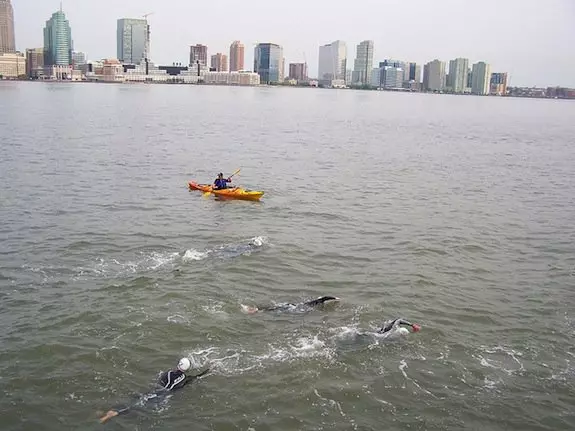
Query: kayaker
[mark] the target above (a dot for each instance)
(221, 183)
(169, 381)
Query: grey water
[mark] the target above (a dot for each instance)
(456, 213)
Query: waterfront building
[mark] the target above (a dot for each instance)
(58, 43)
(458, 69)
(199, 54)
(269, 62)
(332, 63)
(78, 60)
(376, 77)
(298, 71)
(498, 84)
(236, 56)
(480, 78)
(7, 39)
(363, 63)
(132, 39)
(391, 77)
(35, 63)
(434, 76)
(232, 78)
(12, 65)
(219, 62)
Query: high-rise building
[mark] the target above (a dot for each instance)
(34, 62)
(498, 84)
(58, 43)
(457, 81)
(236, 56)
(391, 77)
(7, 41)
(348, 75)
(268, 62)
(332, 62)
(132, 39)
(298, 71)
(480, 78)
(469, 79)
(219, 62)
(78, 60)
(434, 76)
(376, 77)
(199, 54)
(414, 72)
(363, 63)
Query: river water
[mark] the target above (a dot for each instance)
(453, 212)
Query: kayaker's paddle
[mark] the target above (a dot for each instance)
(210, 191)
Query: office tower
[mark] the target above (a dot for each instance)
(391, 77)
(58, 41)
(414, 72)
(132, 40)
(268, 62)
(363, 63)
(78, 60)
(480, 78)
(219, 62)
(298, 71)
(199, 54)
(458, 75)
(498, 84)
(236, 56)
(7, 41)
(34, 62)
(332, 62)
(434, 76)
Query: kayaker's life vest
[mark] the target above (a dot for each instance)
(220, 183)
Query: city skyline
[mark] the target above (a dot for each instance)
(503, 44)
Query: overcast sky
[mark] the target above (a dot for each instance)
(533, 40)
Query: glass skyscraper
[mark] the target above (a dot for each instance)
(132, 36)
(268, 62)
(58, 43)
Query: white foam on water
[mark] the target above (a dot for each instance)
(194, 255)
(500, 361)
(234, 361)
(402, 367)
(178, 318)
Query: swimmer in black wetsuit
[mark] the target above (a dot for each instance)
(169, 381)
(397, 323)
(304, 306)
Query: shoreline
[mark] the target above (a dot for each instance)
(445, 93)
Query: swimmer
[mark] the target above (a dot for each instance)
(397, 324)
(170, 380)
(304, 306)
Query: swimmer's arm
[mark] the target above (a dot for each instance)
(190, 379)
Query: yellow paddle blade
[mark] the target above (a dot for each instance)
(206, 194)
(235, 173)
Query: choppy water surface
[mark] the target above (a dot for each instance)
(453, 212)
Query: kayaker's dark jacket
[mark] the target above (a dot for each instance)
(221, 183)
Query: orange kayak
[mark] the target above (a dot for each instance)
(232, 193)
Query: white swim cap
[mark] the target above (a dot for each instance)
(184, 364)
